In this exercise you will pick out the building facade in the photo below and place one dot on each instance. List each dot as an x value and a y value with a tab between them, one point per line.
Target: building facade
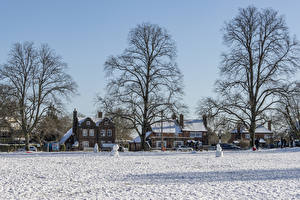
263	135
86	132
174	134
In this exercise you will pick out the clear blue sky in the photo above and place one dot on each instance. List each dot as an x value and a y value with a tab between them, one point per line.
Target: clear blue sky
86	32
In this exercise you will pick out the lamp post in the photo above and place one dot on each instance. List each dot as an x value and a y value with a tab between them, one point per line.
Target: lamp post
220	134
161	130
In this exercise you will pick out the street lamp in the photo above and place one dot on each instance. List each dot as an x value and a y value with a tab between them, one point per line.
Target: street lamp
220	135
161	131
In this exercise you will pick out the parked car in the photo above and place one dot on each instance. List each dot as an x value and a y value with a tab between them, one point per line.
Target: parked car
297	143
226	146
31	148
184	148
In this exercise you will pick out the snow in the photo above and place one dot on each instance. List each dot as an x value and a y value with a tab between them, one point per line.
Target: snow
259	129
94	119
194	125
168	127
66	136
172	127
262	140
265	174
107	145
138	139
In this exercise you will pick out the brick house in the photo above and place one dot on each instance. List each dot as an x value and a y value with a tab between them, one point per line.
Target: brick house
10	131
86	132
263	135
175	134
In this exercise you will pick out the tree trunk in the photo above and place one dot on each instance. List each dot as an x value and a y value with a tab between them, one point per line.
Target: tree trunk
143	135
27	141
252	133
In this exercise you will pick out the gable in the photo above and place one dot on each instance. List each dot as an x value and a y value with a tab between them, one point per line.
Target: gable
106	122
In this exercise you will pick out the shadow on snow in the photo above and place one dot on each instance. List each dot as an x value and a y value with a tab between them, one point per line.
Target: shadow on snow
218	176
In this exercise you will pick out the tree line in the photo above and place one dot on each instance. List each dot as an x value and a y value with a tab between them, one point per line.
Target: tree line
145	84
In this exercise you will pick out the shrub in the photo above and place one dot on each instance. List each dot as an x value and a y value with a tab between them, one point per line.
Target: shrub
63	147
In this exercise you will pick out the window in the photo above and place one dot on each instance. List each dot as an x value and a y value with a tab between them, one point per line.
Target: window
178	143
84	132
109	132
196	134
267	136
247	136
91	132
88	123
85	144
102	132
158	144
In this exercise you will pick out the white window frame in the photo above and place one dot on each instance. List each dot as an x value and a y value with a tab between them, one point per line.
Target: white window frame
158	144
178	143
102	132
109	132
92	132
85	144
88	123
84	132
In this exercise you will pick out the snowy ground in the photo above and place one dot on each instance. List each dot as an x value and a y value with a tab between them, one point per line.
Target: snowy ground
267	174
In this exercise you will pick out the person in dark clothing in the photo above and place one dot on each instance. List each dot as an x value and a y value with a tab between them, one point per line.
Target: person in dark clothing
284	142
256	143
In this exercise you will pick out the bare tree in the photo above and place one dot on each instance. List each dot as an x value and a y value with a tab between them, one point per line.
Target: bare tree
261	57
52	126
7	108
144	80
123	126
218	124
288	109
38	78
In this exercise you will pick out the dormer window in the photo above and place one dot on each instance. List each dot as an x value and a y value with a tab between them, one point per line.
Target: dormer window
88	123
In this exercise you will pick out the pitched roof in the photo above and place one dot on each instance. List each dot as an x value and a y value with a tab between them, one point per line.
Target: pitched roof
173	127
194	125
138	139
259	129
95	119
167	127
66	136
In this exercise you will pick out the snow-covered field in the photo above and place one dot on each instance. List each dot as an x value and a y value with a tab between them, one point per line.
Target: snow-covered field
266	174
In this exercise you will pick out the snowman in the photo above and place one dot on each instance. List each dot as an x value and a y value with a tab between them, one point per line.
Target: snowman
219	152
115	151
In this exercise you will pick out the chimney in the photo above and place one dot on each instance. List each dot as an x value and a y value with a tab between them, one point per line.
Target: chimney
238	128
181	123
99	114
174	116
75	122
269	126
204	118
